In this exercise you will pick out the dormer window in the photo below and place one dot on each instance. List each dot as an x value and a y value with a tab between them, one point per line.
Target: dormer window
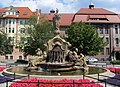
10	8
17	13
25	13
98	17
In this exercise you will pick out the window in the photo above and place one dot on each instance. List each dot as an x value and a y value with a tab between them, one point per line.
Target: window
6	57
116	30
6	22
0	21
22	30
107	51
116	41
25	57
6	29
101	31
21	22
25	13
9	30
9	21
17	13
116	25
20	57
11	57
106	31
13	30
107	40
13	21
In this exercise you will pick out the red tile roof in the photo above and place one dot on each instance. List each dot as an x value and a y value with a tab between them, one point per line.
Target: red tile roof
21	10
65	19
86	18
94	11
96	15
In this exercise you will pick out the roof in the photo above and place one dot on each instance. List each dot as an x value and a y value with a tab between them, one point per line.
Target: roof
24	12
96	15
95	11
65	19
108	18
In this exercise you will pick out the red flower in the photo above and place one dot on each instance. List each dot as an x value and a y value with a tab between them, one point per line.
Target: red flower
52	83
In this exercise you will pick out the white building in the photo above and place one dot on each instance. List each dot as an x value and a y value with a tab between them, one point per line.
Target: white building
12	22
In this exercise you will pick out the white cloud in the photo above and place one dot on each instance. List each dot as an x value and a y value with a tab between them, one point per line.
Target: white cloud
110	0
68	1
48	4
64	6
113	10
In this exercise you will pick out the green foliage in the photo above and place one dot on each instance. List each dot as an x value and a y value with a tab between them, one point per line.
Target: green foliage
85	38
5	47
39	34
116	62
21	61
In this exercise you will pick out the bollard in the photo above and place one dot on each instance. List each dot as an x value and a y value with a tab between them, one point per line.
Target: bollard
105	83
14	75
7	84
98	77
73	83
38	83
83	76
28	76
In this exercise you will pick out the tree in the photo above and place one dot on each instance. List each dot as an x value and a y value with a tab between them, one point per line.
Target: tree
85	38
5	47
39	34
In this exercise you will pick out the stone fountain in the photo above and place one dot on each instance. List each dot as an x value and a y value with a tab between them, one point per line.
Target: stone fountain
57	56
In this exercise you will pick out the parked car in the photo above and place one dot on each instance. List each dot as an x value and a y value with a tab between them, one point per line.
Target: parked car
92	60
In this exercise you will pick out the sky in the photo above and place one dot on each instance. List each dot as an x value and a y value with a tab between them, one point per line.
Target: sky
64	6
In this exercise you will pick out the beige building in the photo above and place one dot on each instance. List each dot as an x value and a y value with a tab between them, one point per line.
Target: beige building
12	22
107	24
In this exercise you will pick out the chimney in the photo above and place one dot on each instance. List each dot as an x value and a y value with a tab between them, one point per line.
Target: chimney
40	11
36	10
91	6
52	11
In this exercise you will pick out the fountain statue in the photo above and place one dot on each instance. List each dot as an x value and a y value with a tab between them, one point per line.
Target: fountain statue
57	57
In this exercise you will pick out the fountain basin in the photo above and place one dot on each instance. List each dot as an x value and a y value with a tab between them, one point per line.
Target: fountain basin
20	70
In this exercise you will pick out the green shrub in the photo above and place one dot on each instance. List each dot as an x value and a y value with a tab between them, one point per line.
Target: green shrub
116	62
21	61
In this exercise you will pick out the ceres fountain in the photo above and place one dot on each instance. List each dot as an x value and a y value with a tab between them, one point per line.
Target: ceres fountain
57	57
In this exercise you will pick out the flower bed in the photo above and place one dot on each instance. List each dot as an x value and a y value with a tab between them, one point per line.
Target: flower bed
34	82
2	68
114	80
5	79
114	70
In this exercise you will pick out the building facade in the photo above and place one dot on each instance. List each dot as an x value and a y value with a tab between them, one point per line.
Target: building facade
107	24
12	22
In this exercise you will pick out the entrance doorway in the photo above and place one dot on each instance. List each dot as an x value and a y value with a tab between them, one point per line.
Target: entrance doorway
117	56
